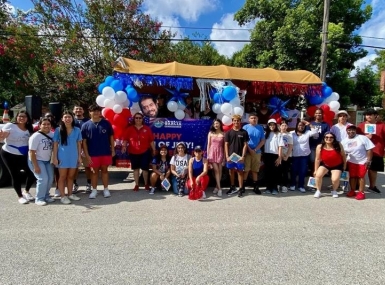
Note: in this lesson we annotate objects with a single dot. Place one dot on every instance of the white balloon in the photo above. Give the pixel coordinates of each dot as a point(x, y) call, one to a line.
point(179, 114)
point(238, 111)
point(108, 92)
point(226, 120)
point(117, 108)
point(220, 116)
point(334, 106)
point(226, 109)
point(120, 97)
point(109, 103)
point(236, 102)
point(126, 103)
point(216, 108)
point(172, 106)
point(334, 97)
point(181, 106)
point(100, 100)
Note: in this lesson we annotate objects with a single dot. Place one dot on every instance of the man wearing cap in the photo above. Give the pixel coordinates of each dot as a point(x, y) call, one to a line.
point(375, 131)
point(358, 149)
point(236, 141)
point(339, 129)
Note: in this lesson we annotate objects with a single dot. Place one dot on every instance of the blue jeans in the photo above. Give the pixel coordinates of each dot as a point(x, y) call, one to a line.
point(298, 168)
point(44, 179)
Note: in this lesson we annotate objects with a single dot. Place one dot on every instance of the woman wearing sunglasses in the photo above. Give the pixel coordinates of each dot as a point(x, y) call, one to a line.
point(330, 156)
point(197, 173)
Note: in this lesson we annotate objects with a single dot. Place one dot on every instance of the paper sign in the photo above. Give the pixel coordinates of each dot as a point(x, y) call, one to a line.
point(344, 176)
point(311, 182)
point(370, 128)
point(166, 184)
point(234, 157)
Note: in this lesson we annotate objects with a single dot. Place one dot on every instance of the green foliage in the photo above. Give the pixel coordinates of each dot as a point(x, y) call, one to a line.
point(344, 86)
point(367, 92)
point(379, 61)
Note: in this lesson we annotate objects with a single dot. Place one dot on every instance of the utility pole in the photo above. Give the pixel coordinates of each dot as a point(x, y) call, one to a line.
point(324, 47)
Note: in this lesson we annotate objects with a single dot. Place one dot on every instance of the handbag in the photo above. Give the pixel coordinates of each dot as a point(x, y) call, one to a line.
point(48, 137)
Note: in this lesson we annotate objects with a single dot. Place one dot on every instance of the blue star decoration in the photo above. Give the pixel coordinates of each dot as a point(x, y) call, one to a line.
point(177, 96)
point(278, 106)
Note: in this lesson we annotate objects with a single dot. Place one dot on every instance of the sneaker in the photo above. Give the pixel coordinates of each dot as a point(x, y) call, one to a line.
point(136, 188)
point(106, 193)
point(147, 187)
point(215, 191)
point(241, 191)
point(152, 191)
point(360, 196)
point(22, 200)
point(267, 192)
point(292, 188)
point(49, 200)
point(351, 193)
point(180, 194)
point(93, 194)
point(317, 194)
point(219, 194)
point(302, 190)
point(257, 191)
point(88, 188)
point(65, 200)
point(75, 188)
point(40, 203)
point(232, 190)
point(375, 189)
point(28, 196)
point(57, 193)
point(274, 192)
point(73, 197)
point(284, 189)
point(334, 194)
point(203, 195)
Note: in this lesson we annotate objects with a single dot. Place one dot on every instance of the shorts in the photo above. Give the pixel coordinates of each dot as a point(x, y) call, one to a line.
point(377, 164)
point(330, 168)
point(235, 166)
point(252, 162)
point(98, 161)
point(356, 170)
point(140, 161)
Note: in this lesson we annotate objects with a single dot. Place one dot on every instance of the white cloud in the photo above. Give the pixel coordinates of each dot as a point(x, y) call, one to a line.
point(239, 33)
point(11, 9)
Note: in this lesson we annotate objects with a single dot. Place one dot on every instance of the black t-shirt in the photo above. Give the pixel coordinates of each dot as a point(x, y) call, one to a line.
point(79, 122)
point(236, 140)
point(208, 116)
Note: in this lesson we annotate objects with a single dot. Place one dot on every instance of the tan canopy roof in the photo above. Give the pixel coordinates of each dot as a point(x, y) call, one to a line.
point(126, 65)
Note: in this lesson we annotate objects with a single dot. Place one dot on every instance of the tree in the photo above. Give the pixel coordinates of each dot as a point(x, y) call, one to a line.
point(344, 86)
point(287, 34)
point(367, 91)
point(379, 61)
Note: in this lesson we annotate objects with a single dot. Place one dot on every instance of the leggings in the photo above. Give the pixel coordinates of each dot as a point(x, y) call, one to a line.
point(181, 182)
point(14, 164)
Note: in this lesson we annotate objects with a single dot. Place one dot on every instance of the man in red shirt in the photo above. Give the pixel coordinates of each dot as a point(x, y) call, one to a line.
point(375, 131)
point(141, 148)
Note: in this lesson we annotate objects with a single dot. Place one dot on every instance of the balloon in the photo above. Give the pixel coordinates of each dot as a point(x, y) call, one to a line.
point(108, 114)
point(132, 94)
point(227, 128)
point(108, 92)
point(238, 111)
point(236, 102)
point(329, 116)
point(315, 100)
point(226, 108)
point(117, 85)
point(226, 120)
point(120, 120)
point(212, 92)
point(326, 92)
point(126, 113)
point(100, 100)
point(117, 108)
point(118, 132)
point(334, 106)
point(101, 87)
point(229, 93)
point(120, 97)
point(311, 110)
point(216, 108)
point(135, 108)
point(325, 108)
point(181, 106)
point(109, 103)
point(179, 114)
point(220, 116)
point(126, 103)
point(279, 120)
point(334, 97)
point(218, 98)
point(172, 106)
point(108, 80)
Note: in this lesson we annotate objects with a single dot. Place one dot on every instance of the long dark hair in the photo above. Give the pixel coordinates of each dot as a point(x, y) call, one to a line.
point(336, 145)
point(63, 129)
point(159, 156)
point(268, 131)
point(28, 123)
point(296, 128)
point(212, 129)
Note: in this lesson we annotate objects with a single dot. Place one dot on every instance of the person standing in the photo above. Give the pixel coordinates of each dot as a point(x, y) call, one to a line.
point(359, 151)
point(253, 154)
point(40, 151)
point(216, 152)
point(375, 131)
point(14, 153)
point(284, 151)
point(236, 141)
point(98, 147)
point(339, 129)
point(141, 148)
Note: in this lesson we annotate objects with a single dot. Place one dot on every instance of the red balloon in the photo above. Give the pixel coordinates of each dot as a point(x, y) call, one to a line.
point(329, 116)
point(227, 128)
point(120, 120)
point(118, 132)
point(279, 120)
point(311, 110)
point(126, 113)
point(276, 116)
point(325, 108)
point(108, 114)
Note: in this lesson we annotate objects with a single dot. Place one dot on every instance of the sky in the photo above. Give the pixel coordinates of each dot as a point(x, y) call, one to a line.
point(213, 19)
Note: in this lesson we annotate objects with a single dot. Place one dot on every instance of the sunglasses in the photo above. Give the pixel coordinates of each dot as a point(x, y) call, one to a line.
point(138, 118)
point(329, 138)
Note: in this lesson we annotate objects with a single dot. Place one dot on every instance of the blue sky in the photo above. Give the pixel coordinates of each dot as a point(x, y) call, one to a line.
point(216, 15)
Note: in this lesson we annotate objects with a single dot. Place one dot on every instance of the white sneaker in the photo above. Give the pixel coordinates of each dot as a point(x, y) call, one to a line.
point(215, 191)
point(28, 196)
point(57, 193)
point(40, 203)
point(283, 189)
point(334, 194)
point(302, 190)
point(219, 193)
point(22, 200)
point(317, 194)
point(65, 200)
point(274, 192)
point(73, 197)
point(203, 195)
point(93, 194)
point(106, 193)
point(152, 191)
point(50, 200)
point(292, 188)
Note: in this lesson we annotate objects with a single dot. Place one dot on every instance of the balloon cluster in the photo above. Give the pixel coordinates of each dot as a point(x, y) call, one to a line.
point(327, 102)
point(177, 104)
point(227, 104)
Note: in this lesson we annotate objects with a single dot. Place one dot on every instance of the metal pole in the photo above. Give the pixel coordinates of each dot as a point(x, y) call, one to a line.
point(324, 47)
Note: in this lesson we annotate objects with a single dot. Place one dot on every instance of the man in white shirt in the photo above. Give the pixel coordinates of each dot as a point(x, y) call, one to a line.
point(339, 129)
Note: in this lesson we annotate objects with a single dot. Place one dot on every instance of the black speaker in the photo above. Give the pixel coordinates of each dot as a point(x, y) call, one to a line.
point(33, 105)
point(56, 109)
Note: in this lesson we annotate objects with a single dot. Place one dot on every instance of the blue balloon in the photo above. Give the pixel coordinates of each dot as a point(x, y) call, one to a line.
point(117, 85)
point(229, 93)
point(326, 92)
point(101, 87)
point(109, 80)
point(218, 98)
point(212, 92)
point(132, 94)
point(315, 100)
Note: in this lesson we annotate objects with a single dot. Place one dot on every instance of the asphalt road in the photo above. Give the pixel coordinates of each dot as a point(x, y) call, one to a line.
point(137, 238)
